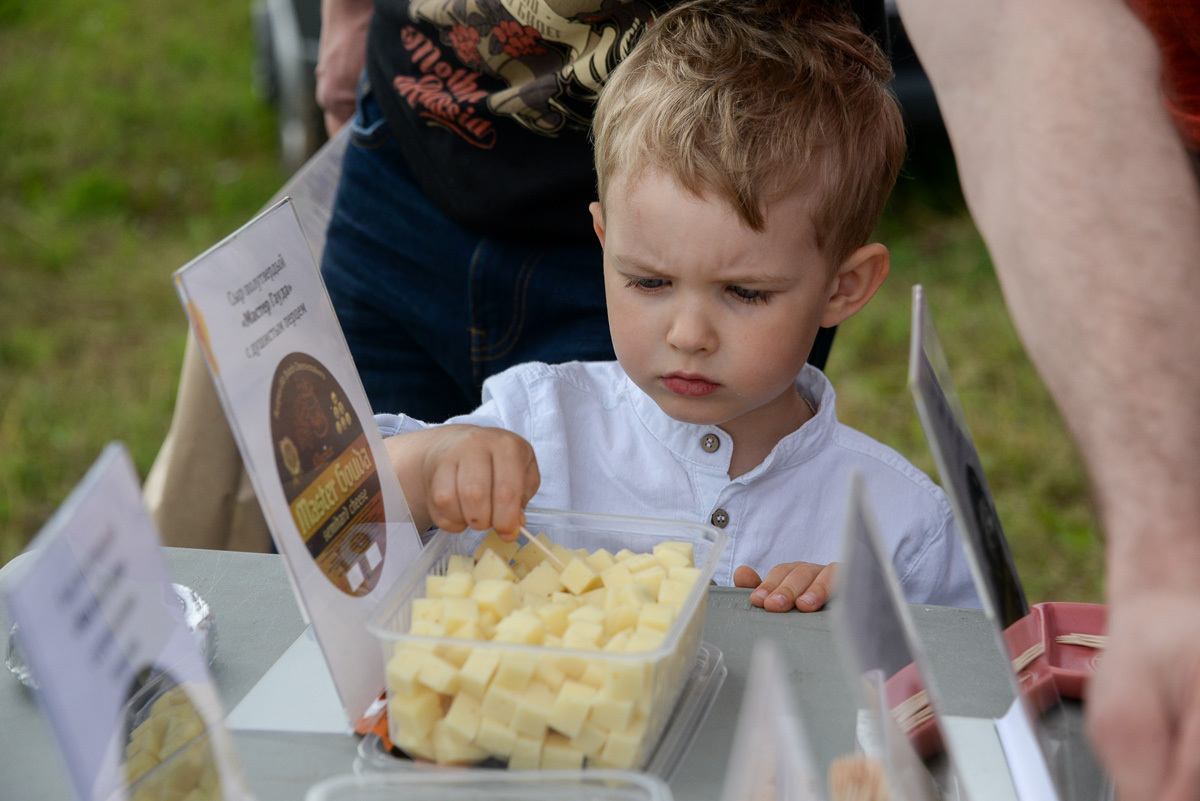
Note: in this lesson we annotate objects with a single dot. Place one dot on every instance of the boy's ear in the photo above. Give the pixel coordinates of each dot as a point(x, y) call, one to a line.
point(597, 221)
point(856, 281)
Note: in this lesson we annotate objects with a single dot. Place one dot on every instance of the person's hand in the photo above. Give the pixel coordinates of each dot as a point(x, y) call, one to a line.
point(1143, 705)
point(340, 57)
point(800, 584)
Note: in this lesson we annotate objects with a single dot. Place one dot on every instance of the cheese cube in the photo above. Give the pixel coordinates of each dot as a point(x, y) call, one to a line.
point(438, 674)
point(459, 563)
point(688, 574)
point(463, 716)
point(457, 585)
point(584, 635)
point(669, 556)
point(515, 669)
point(578, 577)
point(619, 620)
point(492, 566)
point(418, 746)
point(563, 554)
point(426, 628)
point(656, 616)
point(597, 597)
point(565, 598)
point(496, 595)
point(457, 611)
point(645, 640)
point(559, 754)
point(498, 738)
point(641, 561)
point(616, 576)
point(450, 749)
point(571, 707)
point(590, 740)
point(591, 614)
point(549, 673)
point(635, 595)
point(685, 548)
point(530, 556)
point(651, 577)
point(533, 710)
point(674, 592)
point(554, 617)
point(502, 548)
point(526, 753)
point(623, 680)
point(500, 703)
point(476, 672)
point(414, 714)
point(623, 748)
point(456, 655)
point(593, 674)
point(611, 714)
point(623, 554)
point(520, 626)
point(433, 586)
point(541, 580)
point(402, 670)
point(429, 609)
point(619, 642)
point(600, 560)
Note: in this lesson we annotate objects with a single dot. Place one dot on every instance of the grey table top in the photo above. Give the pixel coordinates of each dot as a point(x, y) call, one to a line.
point(257, 620)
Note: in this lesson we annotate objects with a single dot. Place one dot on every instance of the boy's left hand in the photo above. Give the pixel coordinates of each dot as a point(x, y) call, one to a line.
point(800, 584)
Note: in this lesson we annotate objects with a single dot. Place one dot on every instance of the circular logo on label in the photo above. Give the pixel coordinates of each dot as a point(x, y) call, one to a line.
point(328, 474)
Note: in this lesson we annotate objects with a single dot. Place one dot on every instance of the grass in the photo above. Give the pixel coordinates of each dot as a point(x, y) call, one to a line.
point(133, 141)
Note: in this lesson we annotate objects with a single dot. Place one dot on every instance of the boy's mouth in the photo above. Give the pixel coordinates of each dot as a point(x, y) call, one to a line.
point(689, 385)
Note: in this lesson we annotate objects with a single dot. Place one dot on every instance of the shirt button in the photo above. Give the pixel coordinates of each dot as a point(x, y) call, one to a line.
point(720, 518)
point(710, 442)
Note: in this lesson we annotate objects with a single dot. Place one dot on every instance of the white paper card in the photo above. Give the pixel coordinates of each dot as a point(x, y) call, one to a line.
point(297, 408)
point(886, 666)
point(961, 472)
point(103, 630)
point(1030, 773)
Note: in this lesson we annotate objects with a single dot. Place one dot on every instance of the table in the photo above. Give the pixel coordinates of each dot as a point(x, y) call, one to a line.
point(257, 620)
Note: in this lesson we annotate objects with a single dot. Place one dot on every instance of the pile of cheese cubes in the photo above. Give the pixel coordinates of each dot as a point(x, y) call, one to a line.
point(459, 702)
point(170, 737)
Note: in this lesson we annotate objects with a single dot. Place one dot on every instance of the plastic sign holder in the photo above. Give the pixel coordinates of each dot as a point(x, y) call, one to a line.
point(117, 668)
point(298, 411)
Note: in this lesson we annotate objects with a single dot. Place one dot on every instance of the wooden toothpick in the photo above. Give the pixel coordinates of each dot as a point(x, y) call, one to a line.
point(541, 546)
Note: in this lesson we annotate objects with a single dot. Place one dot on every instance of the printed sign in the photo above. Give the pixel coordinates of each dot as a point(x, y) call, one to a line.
point(961, 472)
point(297, 408)
point(120, 679)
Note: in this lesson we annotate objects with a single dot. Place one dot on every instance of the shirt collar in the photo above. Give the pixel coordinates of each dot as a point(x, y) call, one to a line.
point(686, 440)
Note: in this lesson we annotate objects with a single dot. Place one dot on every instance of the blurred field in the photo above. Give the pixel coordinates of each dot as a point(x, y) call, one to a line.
point(132, 141)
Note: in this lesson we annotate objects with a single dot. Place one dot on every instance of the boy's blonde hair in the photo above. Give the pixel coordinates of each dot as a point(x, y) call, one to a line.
point(753, 101)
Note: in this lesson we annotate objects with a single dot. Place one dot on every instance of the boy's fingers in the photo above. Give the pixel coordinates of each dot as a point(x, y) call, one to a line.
point(746, 578)
point(441, 497)
point(473, 482)
point(818, 592)
point(790, 580)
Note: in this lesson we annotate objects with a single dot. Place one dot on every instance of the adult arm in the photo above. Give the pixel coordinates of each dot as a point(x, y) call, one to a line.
point(1084, 195)
point(340, 57)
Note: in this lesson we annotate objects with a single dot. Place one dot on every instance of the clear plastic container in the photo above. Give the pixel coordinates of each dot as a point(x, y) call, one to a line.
point(471, 785)
point(651, 679)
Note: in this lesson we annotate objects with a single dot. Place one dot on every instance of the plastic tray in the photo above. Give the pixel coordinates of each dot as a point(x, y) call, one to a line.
point(1062, 670)
point(695, 702)
point(469, 784)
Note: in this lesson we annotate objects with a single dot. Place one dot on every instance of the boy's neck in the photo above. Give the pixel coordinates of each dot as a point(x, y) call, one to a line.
point(754, 435)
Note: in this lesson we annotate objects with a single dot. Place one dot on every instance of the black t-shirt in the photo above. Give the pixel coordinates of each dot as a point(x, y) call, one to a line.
point(491, 100)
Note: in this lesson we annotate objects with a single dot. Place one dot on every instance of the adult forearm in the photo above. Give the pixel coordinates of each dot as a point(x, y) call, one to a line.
point(341, 54)
point(1083, 193)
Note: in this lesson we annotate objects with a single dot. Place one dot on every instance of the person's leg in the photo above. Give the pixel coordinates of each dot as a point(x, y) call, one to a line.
point(396, 270)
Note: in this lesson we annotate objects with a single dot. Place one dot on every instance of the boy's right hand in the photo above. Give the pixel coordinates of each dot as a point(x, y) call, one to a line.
point(457, 476)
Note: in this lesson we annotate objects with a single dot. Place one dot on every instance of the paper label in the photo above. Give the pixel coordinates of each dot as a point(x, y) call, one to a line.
point(120, 678)
point(298, 411)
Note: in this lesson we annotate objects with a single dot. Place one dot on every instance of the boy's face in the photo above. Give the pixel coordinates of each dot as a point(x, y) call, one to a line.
point(710, 318)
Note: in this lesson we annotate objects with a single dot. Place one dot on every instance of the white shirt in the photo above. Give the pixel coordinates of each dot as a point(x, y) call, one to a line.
point(603, 445)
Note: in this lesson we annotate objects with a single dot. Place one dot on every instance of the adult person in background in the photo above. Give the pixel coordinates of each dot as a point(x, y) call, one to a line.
point(1078, 176)
point(459, 243)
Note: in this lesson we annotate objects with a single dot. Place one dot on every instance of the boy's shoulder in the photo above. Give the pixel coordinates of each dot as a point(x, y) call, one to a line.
point(604, 381)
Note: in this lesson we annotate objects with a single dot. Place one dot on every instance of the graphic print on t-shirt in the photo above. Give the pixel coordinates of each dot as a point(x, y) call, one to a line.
point(538, 62)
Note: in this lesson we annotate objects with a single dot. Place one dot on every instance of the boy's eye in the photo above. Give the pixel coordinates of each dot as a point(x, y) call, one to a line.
point(645, 283)
point(750, 295)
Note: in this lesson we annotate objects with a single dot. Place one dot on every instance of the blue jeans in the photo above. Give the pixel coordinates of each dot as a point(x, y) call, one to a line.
point(430, 309)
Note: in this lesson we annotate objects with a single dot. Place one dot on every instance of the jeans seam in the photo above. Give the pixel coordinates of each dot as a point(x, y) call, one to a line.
point(508, 341)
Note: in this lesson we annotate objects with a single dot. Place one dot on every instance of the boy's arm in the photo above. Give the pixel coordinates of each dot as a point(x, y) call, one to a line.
point(455, 476)
point(1083, 192)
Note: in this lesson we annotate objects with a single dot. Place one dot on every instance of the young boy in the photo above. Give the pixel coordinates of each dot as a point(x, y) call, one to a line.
point(744, 152)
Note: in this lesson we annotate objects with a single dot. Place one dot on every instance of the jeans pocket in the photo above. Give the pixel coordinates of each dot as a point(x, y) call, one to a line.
point(368, 129)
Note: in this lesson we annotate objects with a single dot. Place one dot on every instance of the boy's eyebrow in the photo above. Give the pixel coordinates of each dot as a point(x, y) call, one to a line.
point(645, 269)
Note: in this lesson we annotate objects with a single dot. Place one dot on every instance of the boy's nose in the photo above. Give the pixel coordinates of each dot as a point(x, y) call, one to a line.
point(692, 331)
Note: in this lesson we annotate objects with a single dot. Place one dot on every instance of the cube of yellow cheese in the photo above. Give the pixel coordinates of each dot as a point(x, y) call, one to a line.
point(591, 614)
point(634, 595)
point(623, 748)
point(515, 669)
point(500, 702)
point(652, 577)
point(450, 749)
point(526, 753)
point(600, 560)
point(624, 680)
point(496, 595)
point(674, 592)
point(492, 566)
point(656, 616)
point(687, 574)
point(675, 554)
point(457, 611)
point(402, 670)
point(529, 555)
point(619, 620)
point(460, 563)
point(623, 554)
point(597, 597)
point(457, 585)
point(611, 714)
point(590, 740)
point(554, 617)
point(578, 577)
point(686, 548)
point(476, 672)
point(639, 562)
point(498, 738)
point(616, 577)
point(584, 635)
point(414, 714)
point(463, 716)
point(503, 548)
point(541, 581)
point(533, 710)
point(571, 707)
point(520, 626)
point(559, 754)
point(439, 675)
